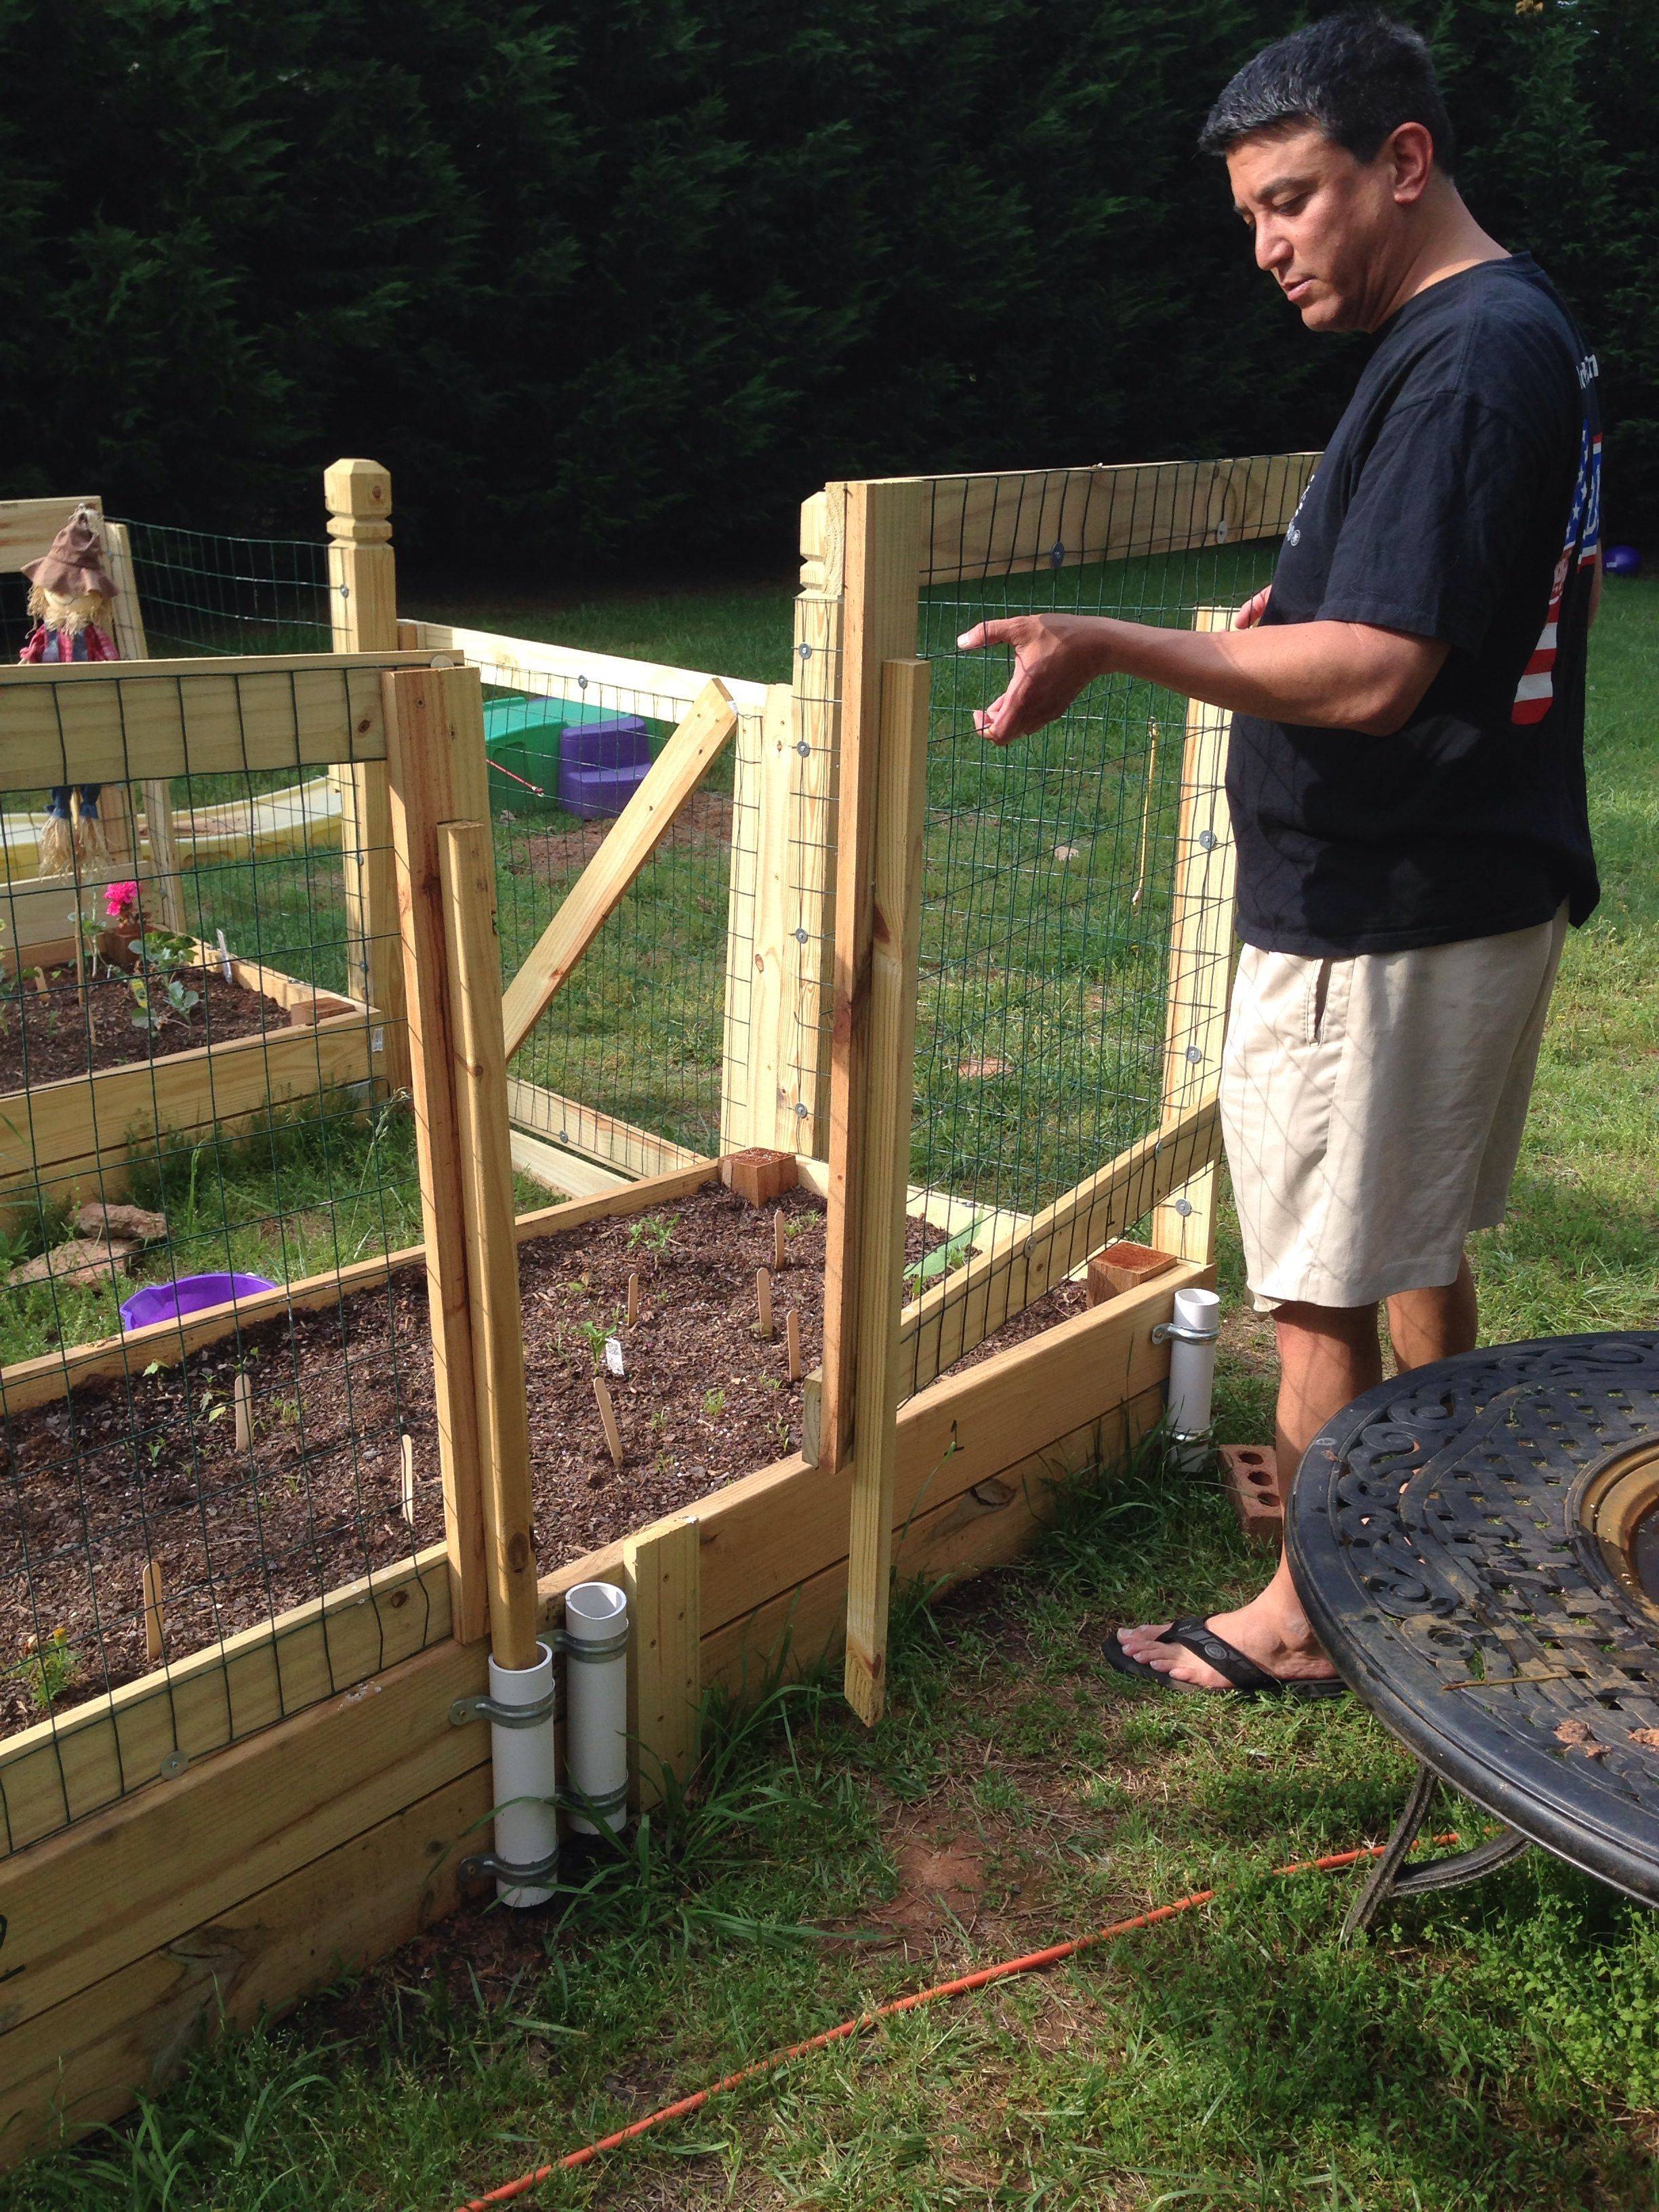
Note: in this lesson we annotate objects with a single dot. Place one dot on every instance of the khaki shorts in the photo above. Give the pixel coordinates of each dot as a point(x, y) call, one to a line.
point(1372, 1109)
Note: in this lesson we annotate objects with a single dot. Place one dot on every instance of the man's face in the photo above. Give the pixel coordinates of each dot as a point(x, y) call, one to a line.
point(1328, 227)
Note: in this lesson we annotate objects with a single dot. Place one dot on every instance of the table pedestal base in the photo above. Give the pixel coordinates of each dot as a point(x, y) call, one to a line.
point(1391, 1878)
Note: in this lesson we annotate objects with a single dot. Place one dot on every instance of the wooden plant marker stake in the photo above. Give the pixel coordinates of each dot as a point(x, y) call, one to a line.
point(632, 1300)
point(80, 963)
point(242, 1397)
point(41, 984)
point(608, 1416)
point(792, 1338)
point(153, 1623)
point(777, 1242)
point(406, 1446)
point(763, 1302)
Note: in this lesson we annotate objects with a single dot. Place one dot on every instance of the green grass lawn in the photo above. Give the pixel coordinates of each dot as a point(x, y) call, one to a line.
point(1494, 2049)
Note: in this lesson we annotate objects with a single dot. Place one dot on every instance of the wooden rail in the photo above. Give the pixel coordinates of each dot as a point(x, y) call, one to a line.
point(603, 1137)
point(105, 722)
point(1008, 523)
point(627, 685)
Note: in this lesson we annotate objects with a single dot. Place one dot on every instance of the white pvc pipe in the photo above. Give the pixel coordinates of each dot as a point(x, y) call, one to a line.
point(525, 1776)
point(596, 1702)
point(1192, 1373)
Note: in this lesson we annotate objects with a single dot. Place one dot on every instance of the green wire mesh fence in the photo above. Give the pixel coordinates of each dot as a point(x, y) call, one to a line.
point(624, 1065)
point(195, 1113)
point(1044, 978)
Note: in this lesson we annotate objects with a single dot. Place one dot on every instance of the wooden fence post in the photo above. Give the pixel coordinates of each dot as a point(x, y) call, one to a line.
point(363, 603)
point(130, 643)
point(435, 757)
point(901, 821)
point(467, 863)
point(809, 882)
point(1200, 959)
point(879, 823)
point(660, 1567)
point(883, 564)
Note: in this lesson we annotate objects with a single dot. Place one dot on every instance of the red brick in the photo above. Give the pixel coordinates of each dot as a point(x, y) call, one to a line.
point(1248, 1471)
point(760, 1175)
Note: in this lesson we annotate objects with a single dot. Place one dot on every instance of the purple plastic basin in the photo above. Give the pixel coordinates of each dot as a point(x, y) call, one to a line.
point(190, 1294)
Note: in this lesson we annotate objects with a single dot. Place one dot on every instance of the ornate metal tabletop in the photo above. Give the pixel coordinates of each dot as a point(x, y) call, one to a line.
point(1470, 1541)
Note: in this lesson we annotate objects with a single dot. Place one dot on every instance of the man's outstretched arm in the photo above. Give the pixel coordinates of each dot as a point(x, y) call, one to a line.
point(1332, 675)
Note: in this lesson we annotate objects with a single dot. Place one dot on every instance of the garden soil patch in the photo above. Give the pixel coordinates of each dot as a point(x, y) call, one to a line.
point(150, 1468)
point(46, 1035)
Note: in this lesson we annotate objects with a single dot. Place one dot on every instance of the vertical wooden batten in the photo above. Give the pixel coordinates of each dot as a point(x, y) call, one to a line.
point(467, 865)
point(364, 605)
point(901, 796)
point(661, 1565)
point(882, 557)
point(437, 774)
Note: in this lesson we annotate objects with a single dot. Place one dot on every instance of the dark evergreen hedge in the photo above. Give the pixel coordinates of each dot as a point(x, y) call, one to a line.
point(625, 278)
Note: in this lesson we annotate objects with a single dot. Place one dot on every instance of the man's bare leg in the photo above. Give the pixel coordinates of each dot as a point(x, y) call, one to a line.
point(1327, 1356)
point(1428, 1325)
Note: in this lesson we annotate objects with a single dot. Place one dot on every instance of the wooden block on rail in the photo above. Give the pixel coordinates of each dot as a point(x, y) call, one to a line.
point(1249, 1472)
point(1124, 1266)
point(759, 1176)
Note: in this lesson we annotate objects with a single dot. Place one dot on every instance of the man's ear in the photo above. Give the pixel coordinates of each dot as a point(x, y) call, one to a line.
point(1409, 152)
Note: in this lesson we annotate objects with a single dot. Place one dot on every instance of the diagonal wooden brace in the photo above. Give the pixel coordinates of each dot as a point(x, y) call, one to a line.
point(641, 827)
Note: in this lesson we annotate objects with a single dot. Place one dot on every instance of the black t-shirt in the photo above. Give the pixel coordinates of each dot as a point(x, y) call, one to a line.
point(1459, 499)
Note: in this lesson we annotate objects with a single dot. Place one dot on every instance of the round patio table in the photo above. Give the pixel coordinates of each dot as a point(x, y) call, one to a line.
point(1477, 1545)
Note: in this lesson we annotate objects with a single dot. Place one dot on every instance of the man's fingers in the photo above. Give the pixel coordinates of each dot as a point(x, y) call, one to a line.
point(1005, 632)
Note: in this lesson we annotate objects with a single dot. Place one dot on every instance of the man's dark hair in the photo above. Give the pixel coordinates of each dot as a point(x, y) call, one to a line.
point(1358, 75)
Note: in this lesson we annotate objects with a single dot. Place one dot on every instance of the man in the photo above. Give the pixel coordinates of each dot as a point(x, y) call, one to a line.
point(1405, 772)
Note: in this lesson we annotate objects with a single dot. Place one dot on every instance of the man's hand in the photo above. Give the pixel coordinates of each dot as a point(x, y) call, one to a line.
point(1253, 608)
point(1054, 656)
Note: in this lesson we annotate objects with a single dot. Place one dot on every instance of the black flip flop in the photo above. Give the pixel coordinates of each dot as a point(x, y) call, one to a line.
point(1248, 1679)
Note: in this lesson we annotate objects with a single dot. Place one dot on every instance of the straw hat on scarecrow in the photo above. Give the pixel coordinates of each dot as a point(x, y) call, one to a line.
point(70, 594)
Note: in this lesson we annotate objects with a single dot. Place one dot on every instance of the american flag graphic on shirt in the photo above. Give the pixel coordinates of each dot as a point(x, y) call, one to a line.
point(1536, 693)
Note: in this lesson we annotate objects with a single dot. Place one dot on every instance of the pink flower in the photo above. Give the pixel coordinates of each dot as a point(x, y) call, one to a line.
point(120, 900)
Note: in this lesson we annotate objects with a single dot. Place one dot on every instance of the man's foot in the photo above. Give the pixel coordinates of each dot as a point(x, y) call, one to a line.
point(1272, 1630)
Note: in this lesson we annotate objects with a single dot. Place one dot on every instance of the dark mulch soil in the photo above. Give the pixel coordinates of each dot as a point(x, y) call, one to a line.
point(44, 1036)
point(152, 1468)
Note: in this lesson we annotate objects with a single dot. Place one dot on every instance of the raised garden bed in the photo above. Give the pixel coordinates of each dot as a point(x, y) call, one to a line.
point(148, 1466)
point(82, 1087)
point(45, 1036)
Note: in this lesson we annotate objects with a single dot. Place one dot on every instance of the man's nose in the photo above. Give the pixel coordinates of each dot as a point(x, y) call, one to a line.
point(1272, 248)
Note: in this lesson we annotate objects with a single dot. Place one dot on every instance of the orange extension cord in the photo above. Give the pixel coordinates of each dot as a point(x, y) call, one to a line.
point(1032, 1963)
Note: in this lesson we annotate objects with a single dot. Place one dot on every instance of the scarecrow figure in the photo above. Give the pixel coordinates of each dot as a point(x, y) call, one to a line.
point(69, 595)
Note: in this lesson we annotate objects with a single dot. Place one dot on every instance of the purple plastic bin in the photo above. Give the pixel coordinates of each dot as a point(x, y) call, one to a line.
point(602, 765)
point(624, 742)
point(190, 1294)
